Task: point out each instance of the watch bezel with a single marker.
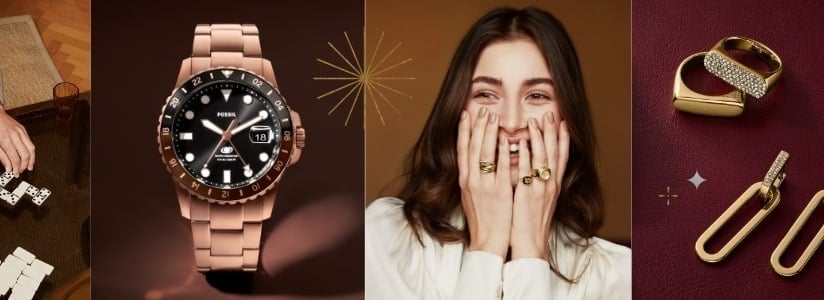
(218, 195)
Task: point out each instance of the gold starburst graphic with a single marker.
(369, 79)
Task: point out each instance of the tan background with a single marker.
(430, 31)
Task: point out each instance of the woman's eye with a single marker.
(537, 97)
(486, 96)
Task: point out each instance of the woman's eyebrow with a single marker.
(537, 81)
(487, 79)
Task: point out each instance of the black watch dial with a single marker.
(225, 133)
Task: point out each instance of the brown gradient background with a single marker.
(313, 244)
(430, 32)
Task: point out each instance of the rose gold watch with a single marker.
(226, 136)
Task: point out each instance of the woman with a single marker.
(501, 198)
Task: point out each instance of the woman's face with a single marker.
(512, 80)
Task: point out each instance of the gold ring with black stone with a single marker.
(526, 180)
(542, 173)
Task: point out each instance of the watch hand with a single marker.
(260, 117)
(243, 161)
(211, 126)
(223, 137)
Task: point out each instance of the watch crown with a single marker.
(300, 138)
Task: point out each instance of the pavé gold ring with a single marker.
(756, 83)
(487, 167)
(687, 100)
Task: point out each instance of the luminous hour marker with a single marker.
(186, 136)
(205, 172)
(247, 99)
(226, 94)
(227, 176)
(190, 157)
(189, 115)
(263, 156)
(184, 90)
(247, 171)
(227, 73)
(263, 114)
(204, 99)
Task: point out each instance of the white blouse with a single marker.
(399, 267)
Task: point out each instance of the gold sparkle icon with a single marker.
(367, 78)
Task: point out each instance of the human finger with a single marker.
(524, 174)
(488, 145)
(463, 147)
(563, 150)
(24, 137)
(4, 160)
(476, 140)
(11, 153)
(537, 147)
(503, 162)
(550, 139)
(22, 151)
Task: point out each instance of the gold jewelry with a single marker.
(526, 180)
(542, 174)
(788, 238)
(487, 167)
(687, 100)
(753, 82)
(769, 200)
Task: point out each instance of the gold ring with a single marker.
(542, 173)
(753, 82)
(487, 167)
(687, 100)
(526, 180)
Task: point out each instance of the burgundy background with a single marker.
(142, 247)
(669, 146)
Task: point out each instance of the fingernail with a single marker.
(463, 115)
(551, 117)
(493, 118)
(482, 112)
(533, 122)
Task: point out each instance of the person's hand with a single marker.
(486, 198)
(16, 148)
(534, 204)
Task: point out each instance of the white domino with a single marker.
(20, 190)
(22, 273)
(24, 255)
(6, 178)
(41, 196)
(5, 195)
(32, 190)
(24, 289)
(34, 273)
(13, 199)
(42, 266)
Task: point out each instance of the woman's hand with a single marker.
(486, 198)
(534, 204)
(16, 148)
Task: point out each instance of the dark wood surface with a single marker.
(57, 231)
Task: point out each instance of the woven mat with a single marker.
(27, 69)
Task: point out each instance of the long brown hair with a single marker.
(431, 191)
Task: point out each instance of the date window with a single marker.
(261, 134)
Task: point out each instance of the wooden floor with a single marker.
(65, 29)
